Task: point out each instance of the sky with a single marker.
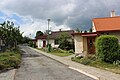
(32, 15)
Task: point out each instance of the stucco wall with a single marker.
(116, 34)
(39, 43)
(51, 41)
(85, 50)
(78, 40)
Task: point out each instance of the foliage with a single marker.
(107, 48)
(10, 59)
(77, 30)
(31, 44)
(11, 35)
(26, 40)
(90, 30)
(49, 48)
(65, 43)
(84, 60)
(57, 52)
(39, 33)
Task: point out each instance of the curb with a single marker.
(94, 77)
(14, 73)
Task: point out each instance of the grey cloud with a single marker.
(80, 16)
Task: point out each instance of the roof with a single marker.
(42, 37)
(56, 34)
(86, 34)
(107, 24)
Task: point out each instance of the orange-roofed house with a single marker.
(84, 42)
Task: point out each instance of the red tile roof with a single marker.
(107, 24)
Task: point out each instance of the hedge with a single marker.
(107, 48)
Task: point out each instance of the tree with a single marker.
(10, 34)
(64, 41)
(39, 33)
(78, 30)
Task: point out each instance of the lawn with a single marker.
(10, 59)
(58, 52)
(98, 64)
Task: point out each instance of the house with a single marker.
(52, 39)
(85, 42)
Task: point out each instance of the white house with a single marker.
(41, 41)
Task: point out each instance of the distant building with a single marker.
(41, 41)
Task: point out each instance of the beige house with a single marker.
(84, 42)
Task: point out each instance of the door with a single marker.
(44, 43)
(91, 45)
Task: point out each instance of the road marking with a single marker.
(94, 77)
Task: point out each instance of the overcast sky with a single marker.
(32, 15)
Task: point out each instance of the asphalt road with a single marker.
(36, 66)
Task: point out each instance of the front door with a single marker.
(44, 43)
(91, 45)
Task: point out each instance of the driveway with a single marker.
(36, 66)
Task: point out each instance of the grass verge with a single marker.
(58, 52)
(10, 59)
(92, 61)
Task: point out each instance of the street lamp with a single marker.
(48, 45)
(48, 31)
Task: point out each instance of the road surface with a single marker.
(36, 66)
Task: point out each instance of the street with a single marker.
(36, 66)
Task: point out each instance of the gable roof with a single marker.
(42, 37)
(56, 34)
(107, 24)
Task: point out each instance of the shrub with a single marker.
(10, 59)
(71, 51)
(107, 48)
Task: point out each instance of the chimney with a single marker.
(112, 13)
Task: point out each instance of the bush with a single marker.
(10, 59)
(107, 48)
(71, 51)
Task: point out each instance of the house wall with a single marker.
(51, 41)
(116, 34)
(78, 40)
(40, 43)
(85, 47)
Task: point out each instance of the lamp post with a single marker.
(48, 45)
(48, 31)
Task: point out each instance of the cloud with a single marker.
(70, 14)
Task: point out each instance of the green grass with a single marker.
(58, 52)
(10, 59)
(61, 54)
(98, 64)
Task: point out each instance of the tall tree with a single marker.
(10, 34)
(39, 33)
